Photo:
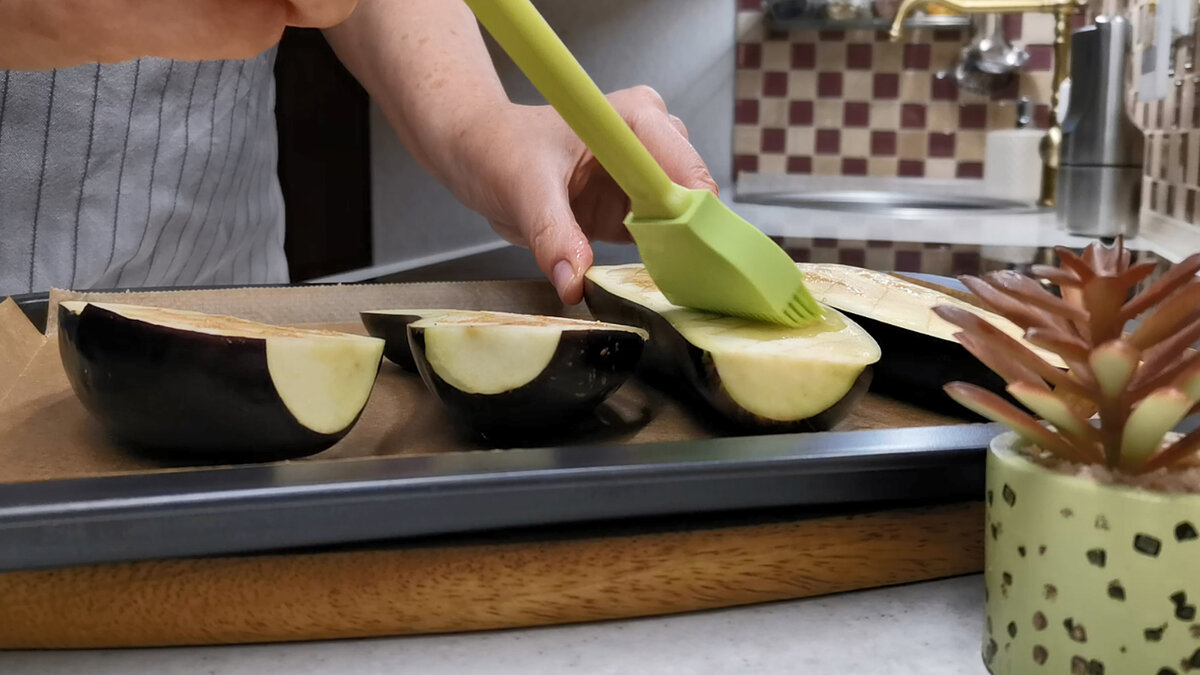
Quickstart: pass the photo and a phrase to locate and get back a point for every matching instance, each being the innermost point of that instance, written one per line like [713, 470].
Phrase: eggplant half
[515, 374]
[756, 376]
[187, 385]
[920, 352]
[391, 325]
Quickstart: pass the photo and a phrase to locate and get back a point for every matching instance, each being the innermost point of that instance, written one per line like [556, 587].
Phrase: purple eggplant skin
[393, 330]
[177, 394]
[673, 364]
[587, 367]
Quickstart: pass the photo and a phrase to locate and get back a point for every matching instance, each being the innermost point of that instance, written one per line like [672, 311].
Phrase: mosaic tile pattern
[1171, 169]
[854, 103]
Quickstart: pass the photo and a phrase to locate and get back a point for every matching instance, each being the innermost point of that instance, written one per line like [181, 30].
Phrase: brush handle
[540, 54]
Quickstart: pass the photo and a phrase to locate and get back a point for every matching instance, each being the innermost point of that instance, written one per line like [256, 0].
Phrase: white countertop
[929, 628]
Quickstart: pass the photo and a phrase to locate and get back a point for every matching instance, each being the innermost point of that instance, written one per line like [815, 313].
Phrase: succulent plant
[1138, 384]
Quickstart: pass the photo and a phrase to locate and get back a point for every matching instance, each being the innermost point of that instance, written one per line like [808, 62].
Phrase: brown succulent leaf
[1159, 371]
[1108, 261]
[1113, 363]
[1102, 298]
[1170, 318]
[1184, 447]
[1172, 348]
[1056, 275]
[1069, 347]
[1082, 406]
[1012, 309]
[1149, 422]
[1022, 287]
[1069, 260]
[1179, 274]
[1043, 403]
[1002, 353]
[1136, 274]
[991, 406]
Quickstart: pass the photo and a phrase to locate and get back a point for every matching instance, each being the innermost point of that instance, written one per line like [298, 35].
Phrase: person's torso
[147, 173]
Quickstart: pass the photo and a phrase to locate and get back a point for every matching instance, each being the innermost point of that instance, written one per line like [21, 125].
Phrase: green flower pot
[1084, 578]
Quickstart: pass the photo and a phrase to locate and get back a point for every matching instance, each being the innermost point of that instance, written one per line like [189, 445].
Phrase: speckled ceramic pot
[1084, 578]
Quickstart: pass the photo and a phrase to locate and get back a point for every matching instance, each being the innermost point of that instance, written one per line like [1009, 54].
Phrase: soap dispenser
[1100, 165]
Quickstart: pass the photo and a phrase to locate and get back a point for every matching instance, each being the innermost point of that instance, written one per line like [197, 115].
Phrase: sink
[891, 203]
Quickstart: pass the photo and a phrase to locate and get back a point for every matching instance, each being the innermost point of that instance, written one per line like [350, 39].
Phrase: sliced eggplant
[755, 375]
[507, 372]
[920, 352]
[391, 325]
[201, 386]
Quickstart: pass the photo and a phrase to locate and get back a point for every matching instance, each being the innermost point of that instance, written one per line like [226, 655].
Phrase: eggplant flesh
[194, 386]
[757, 376]
[920, 352]
[506, 373]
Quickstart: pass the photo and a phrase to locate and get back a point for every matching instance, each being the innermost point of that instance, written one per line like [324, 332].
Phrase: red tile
[800, 254]
[947, 35]
[965, 262]
[745, 111]
[749, 55]
[917, 57]
[1041, 116]
[911, 168]
[858, 56]
[1153, 196]
[777, 35]
[745, 163]
[1078, 20]
[800, 113]
[831, 35]
[772, 140]
[750, 5]
[799, 164]
[852, 256]
[912, 116]
[879, 243]
[908, 261]
[775, 84]
[886, 86]
[856, 114]
[972, 116]
[1041, 57]
[1012, 27]
[804, 56]
[1166, 208]
[1010, 92]
[854, 166]
[820, 242]
[829, 85]
[1189, 212]
[969, 170]
[941, 145]
[883, 143]
[829, 141]
[943, 87]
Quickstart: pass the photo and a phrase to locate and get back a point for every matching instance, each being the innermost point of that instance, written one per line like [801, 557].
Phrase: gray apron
[146, 173]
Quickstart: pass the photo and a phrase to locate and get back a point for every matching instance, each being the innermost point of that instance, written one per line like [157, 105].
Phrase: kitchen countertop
[930, 628]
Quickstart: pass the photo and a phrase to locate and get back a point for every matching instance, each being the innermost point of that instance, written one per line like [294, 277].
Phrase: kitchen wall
[855, 103]
[683, 48]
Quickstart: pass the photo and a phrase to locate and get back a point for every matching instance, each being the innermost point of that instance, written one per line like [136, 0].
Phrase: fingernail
[562, 273]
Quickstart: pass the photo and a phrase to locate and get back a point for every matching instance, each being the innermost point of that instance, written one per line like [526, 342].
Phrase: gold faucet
[1062, 11]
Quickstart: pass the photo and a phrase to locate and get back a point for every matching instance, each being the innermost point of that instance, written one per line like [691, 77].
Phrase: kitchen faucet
[1062, 11]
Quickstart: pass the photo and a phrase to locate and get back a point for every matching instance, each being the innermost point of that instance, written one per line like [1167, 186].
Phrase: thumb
[559, 246]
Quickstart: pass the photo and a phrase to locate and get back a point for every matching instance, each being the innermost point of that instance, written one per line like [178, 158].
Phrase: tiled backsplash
[855, 103]
[1171, 180]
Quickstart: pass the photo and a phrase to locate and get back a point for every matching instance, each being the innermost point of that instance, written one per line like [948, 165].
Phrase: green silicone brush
[699, 252]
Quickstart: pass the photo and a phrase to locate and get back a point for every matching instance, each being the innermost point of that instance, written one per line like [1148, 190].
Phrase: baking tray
[258, 508]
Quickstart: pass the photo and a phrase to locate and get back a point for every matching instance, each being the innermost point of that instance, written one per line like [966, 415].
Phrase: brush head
[976, 79]
[709, 258]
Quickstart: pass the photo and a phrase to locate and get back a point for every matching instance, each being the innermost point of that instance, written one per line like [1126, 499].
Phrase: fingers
[664, 135]
[559, 246]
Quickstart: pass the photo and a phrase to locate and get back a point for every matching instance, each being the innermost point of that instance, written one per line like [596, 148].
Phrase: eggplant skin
[393, 330]
[587, 367]
[674, 364]
[178, 394]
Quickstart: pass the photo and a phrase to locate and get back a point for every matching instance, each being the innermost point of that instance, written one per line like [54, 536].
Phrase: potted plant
[1093, 513]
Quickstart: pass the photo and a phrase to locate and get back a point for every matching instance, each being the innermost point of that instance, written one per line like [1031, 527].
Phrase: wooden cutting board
[464, 585]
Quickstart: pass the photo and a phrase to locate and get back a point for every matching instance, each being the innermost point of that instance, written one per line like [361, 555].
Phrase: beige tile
[942, 116]
[776, 55]
[882, 166]
[1187, 99]
[823, 254]
[860, 36]
[1172, 157]
[914, 87]
[828, 113]
[1178, 208]
[747, 139]
[773, 112]
[912, 145]
[856, 85]
[1192, 176]
[1163, 207]
[1037, 29]
[802, 85]
[943, 56]
[888, 57]
[831, 56]
[971, 97]
[751, 27]
[772, 164]
[940, 168]
[827, 165]
[1002, 116]
[970, 146]
[1037, 86]
[800, 141]
[748, 84]
[856, 142]
[885, 115]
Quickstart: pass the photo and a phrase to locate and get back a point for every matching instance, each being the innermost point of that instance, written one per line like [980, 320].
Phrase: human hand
[527, 172]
